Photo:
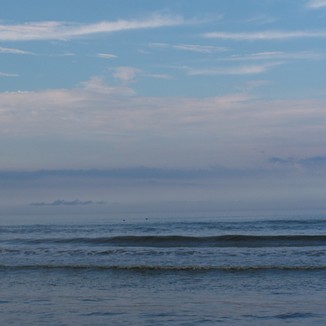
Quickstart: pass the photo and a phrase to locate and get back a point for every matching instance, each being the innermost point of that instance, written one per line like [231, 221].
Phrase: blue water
[244, 270]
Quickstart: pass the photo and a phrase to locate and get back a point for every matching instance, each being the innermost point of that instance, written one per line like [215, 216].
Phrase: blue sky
[174, 86]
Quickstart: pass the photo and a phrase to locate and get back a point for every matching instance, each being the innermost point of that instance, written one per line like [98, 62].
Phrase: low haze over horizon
[163, 101]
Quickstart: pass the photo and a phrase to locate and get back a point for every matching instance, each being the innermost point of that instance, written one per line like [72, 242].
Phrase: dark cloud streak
[145, 173]
[62, 202]
[309, 164]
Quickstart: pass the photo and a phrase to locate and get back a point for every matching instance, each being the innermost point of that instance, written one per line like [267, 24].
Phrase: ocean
[241, 269]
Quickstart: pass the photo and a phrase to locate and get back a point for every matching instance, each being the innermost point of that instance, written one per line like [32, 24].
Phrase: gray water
[248, 270]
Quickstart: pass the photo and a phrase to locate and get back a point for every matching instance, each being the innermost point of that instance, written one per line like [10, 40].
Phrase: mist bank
[272, 167]
[280, 184]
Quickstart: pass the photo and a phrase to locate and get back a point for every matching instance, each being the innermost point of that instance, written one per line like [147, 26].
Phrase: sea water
[232, 270]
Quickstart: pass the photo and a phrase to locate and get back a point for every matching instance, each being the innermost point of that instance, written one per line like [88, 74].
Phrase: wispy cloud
[278, 55]
[55, 30]
[158, 76]
[261, 19]
[13, 51]
[265, 35]
[200, 48]
[106, 56]
[316, 4]
[236, 70]
[190, 47]
[125, 74]
[5, 74]
[129, 74]
[96, 85]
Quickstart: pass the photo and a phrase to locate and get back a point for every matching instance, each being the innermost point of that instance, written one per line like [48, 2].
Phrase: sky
[212, 101]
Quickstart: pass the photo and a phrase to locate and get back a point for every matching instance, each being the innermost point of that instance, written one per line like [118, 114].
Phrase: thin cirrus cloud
[237, 70]
[54, 30]
[315, 4]
[158, 76]
[5, 74]
[190, 47]
[128, 74]
[106, 56]
[13, 51]
[265, 35]
[278, 55]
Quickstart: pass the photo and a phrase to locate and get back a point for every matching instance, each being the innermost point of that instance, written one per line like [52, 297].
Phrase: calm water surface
[244, 270]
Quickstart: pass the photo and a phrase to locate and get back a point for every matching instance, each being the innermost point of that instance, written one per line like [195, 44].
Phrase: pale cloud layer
[235, 125]
[101, 108]
[54, 30]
